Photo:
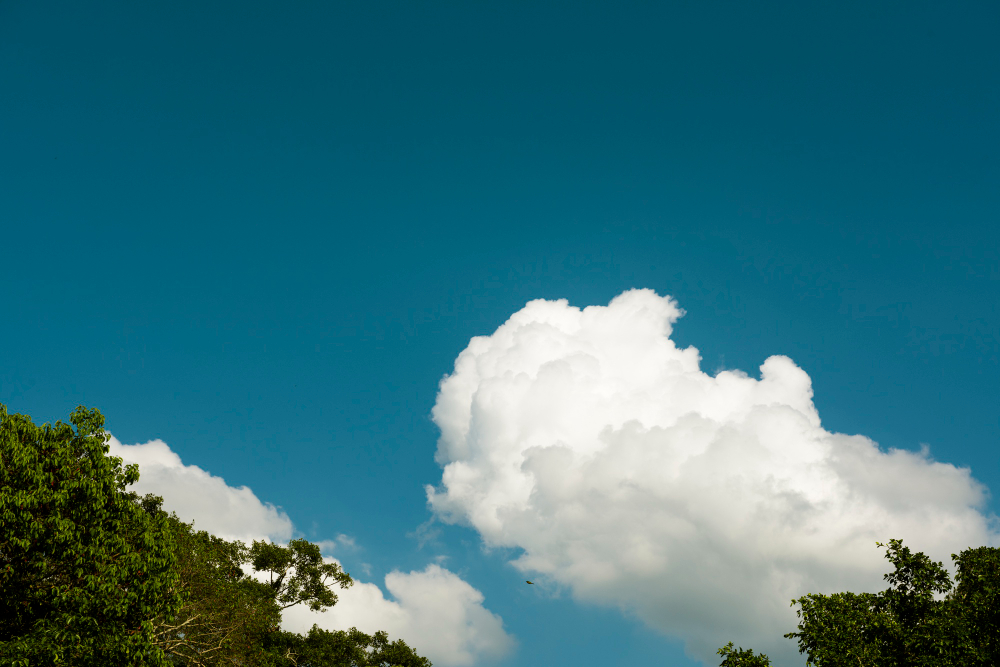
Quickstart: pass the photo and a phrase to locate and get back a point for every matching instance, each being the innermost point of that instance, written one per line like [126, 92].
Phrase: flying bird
[532, 583]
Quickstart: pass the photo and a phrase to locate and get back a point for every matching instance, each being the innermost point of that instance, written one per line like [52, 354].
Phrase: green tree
[920, 620]
[84, 567]
[298, 574]
[225, 615]
[974, 607]
[840, 629]
[91, 574]
[342, 648]
[230, 618]
[741, 658]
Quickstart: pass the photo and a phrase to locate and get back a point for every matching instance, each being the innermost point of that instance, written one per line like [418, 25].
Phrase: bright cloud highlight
[702, 503]
[442, 614]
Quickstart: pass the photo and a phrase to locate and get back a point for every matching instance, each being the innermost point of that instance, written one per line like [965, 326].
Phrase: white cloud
[434, 610]
[196, 495]
[437, 613]
[702, 503]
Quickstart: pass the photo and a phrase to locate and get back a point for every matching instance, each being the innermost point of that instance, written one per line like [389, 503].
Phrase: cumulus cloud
[233, 513]
[434, 610]
[703, 504]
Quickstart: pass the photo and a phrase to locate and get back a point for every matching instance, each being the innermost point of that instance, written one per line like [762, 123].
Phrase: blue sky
[264, 234]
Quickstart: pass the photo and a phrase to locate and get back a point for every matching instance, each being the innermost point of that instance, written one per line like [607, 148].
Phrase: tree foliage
[350, 648]
[91, 574]
[741, 658]
[84, 568]
[225, 614]
[977, 596]
[921, 620]
[297, 574]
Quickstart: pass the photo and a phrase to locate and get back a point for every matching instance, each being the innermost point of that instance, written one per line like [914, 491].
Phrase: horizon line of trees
[92, 574]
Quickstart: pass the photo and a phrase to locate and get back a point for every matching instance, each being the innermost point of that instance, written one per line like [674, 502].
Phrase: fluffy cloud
[589, 440]
[196, 495]
[434, 610]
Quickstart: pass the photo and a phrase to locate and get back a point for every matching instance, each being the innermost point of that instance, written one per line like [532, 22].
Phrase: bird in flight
[531, 582]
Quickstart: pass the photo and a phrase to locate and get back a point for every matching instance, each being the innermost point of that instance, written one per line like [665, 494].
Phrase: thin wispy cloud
[339, 544]
[701, 503]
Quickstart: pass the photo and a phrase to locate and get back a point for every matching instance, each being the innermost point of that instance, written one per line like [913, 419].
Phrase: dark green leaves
[920, 620]
[93, 575]
[225, 615]
[84, 567]
[298, 573]
[741, 658]
[976, 604]
[344, 648]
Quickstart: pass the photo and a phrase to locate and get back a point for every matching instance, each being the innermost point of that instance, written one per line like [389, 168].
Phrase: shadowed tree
[225, 615]
[977, 595]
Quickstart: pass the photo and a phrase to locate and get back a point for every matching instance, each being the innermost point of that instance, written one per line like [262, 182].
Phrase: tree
[839, 629]
[84, 568]
[228, 617]
[225, 614]
[977, 595]
[91, 574]
[298, 574]
[343, 648]
[741, 658]
[920, 620]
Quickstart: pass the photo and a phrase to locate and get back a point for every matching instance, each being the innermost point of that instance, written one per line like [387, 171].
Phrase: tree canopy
[297, 574]
[84, 569]
[740, 657]
[922, 619]
[92, 574]
[224, 613]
